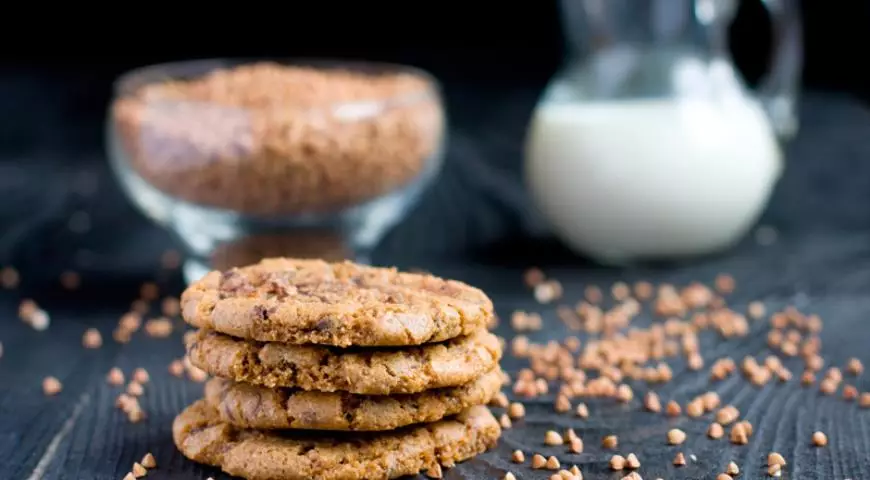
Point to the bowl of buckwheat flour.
(219, 150)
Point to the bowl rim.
(138, 77)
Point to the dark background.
(67, 61)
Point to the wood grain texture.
(821, 263)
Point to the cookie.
(367, 371)
(256, 455)
(249, 406)
(341, 304)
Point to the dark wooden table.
(474, 225)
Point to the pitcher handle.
(778, 89)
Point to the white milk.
(646, 179)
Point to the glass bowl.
(245, 158)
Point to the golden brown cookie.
(250, 406)
(366, 371)
(202, 437)
(342, 304)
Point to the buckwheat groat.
(366, 371)
(342, 304)
(249, 406)
(202, 437)
(270, 139)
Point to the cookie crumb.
(617, 462)
(553, 463)
(148, 461)
(632, 462)
(51, 386)
(715, 431)
(610, 441)
(820, 439)
(676, 436)
(680, 459)
(92, 338)
(138, 470)
(538, 461)
(518, 456)
(582, 410)
(115, 377)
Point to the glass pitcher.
(647, 144)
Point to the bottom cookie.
(202, 437)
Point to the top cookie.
(341, 304)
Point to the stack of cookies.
(338, 371)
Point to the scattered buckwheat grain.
(652, 402)
(582, 410)
(70, 280)
(138, 470)
(505, 421)
(774, 458)
(538, 461)
(553, 463)
(518, 456)
(552, 438)
(135, 389)
(115, 377)
(673, 409)
(610, 441)
(51, 386)
(715, 431)
(92, 338)
(724, 476)
(676, 436)
(680, 459)
(158, 327)
(617, 462)
(820, 439)
(516, 410)
(854, 366)
(732, 469)
(632, 462)
(9, 278)
(148, 461)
